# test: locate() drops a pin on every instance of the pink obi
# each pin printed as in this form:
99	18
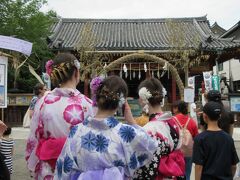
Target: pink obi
172	165
49	149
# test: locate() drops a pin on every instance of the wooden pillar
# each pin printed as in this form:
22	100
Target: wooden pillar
174	90
86	83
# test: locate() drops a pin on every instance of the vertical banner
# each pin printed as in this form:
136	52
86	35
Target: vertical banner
207	80
3	81
191	82
216	82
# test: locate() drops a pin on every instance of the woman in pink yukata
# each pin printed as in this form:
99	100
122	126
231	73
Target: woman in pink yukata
168	162
54	115
102	148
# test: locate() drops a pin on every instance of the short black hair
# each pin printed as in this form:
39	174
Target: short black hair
156	89
214	95
182	107
213	110
8	131
109	92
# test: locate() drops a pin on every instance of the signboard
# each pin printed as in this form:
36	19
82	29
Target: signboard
15	44
207	80
189	95
19	99
235	103
3	81
216	82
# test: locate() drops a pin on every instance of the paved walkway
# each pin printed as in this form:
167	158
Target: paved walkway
19	165
22	133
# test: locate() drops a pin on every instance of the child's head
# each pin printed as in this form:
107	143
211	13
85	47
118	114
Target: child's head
175	107
111	91
39	89
8	131
155	88
63	68
182	107
214	95
212	111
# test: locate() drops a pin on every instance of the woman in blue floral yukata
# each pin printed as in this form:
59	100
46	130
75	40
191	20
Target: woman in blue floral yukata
102	147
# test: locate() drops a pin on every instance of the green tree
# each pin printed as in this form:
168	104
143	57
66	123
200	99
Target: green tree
23	19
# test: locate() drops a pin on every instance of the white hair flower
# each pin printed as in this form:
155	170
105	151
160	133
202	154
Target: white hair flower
76	64
144	94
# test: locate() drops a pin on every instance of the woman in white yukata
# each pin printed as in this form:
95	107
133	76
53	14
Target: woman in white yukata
102	148
54	115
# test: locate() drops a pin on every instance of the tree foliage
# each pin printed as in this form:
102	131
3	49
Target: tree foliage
23	19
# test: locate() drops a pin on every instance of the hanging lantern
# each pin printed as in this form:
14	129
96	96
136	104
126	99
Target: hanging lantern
125	68
134	75
130	72
145	67
139	73
158	73
105	65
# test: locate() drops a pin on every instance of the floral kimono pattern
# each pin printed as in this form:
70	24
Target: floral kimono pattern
104	149
54	115
168	161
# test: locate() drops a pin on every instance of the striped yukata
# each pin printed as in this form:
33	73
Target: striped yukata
6	146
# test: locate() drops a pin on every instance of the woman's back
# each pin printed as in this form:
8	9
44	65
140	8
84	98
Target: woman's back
165	129
100	144
53	118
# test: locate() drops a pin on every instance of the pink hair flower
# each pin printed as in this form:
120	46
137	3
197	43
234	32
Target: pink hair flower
48	66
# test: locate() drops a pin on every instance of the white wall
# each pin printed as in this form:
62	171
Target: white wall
235	69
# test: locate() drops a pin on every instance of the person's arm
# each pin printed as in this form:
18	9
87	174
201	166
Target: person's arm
30	113
128	115
3	128
231	126
234	168
198	172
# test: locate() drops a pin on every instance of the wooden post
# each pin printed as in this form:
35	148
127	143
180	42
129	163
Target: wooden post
174	89
86	92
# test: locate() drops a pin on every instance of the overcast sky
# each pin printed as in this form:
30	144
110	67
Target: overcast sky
225	12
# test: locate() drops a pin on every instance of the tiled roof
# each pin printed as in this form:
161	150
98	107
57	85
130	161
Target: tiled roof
217	30
231	30
138	34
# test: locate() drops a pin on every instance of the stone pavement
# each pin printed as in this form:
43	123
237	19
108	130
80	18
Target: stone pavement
19	163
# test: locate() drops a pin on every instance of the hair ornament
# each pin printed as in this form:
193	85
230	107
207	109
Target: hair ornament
49	66
144	94
94	85
76	64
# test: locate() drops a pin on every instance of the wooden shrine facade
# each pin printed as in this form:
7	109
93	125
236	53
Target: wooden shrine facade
176	41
